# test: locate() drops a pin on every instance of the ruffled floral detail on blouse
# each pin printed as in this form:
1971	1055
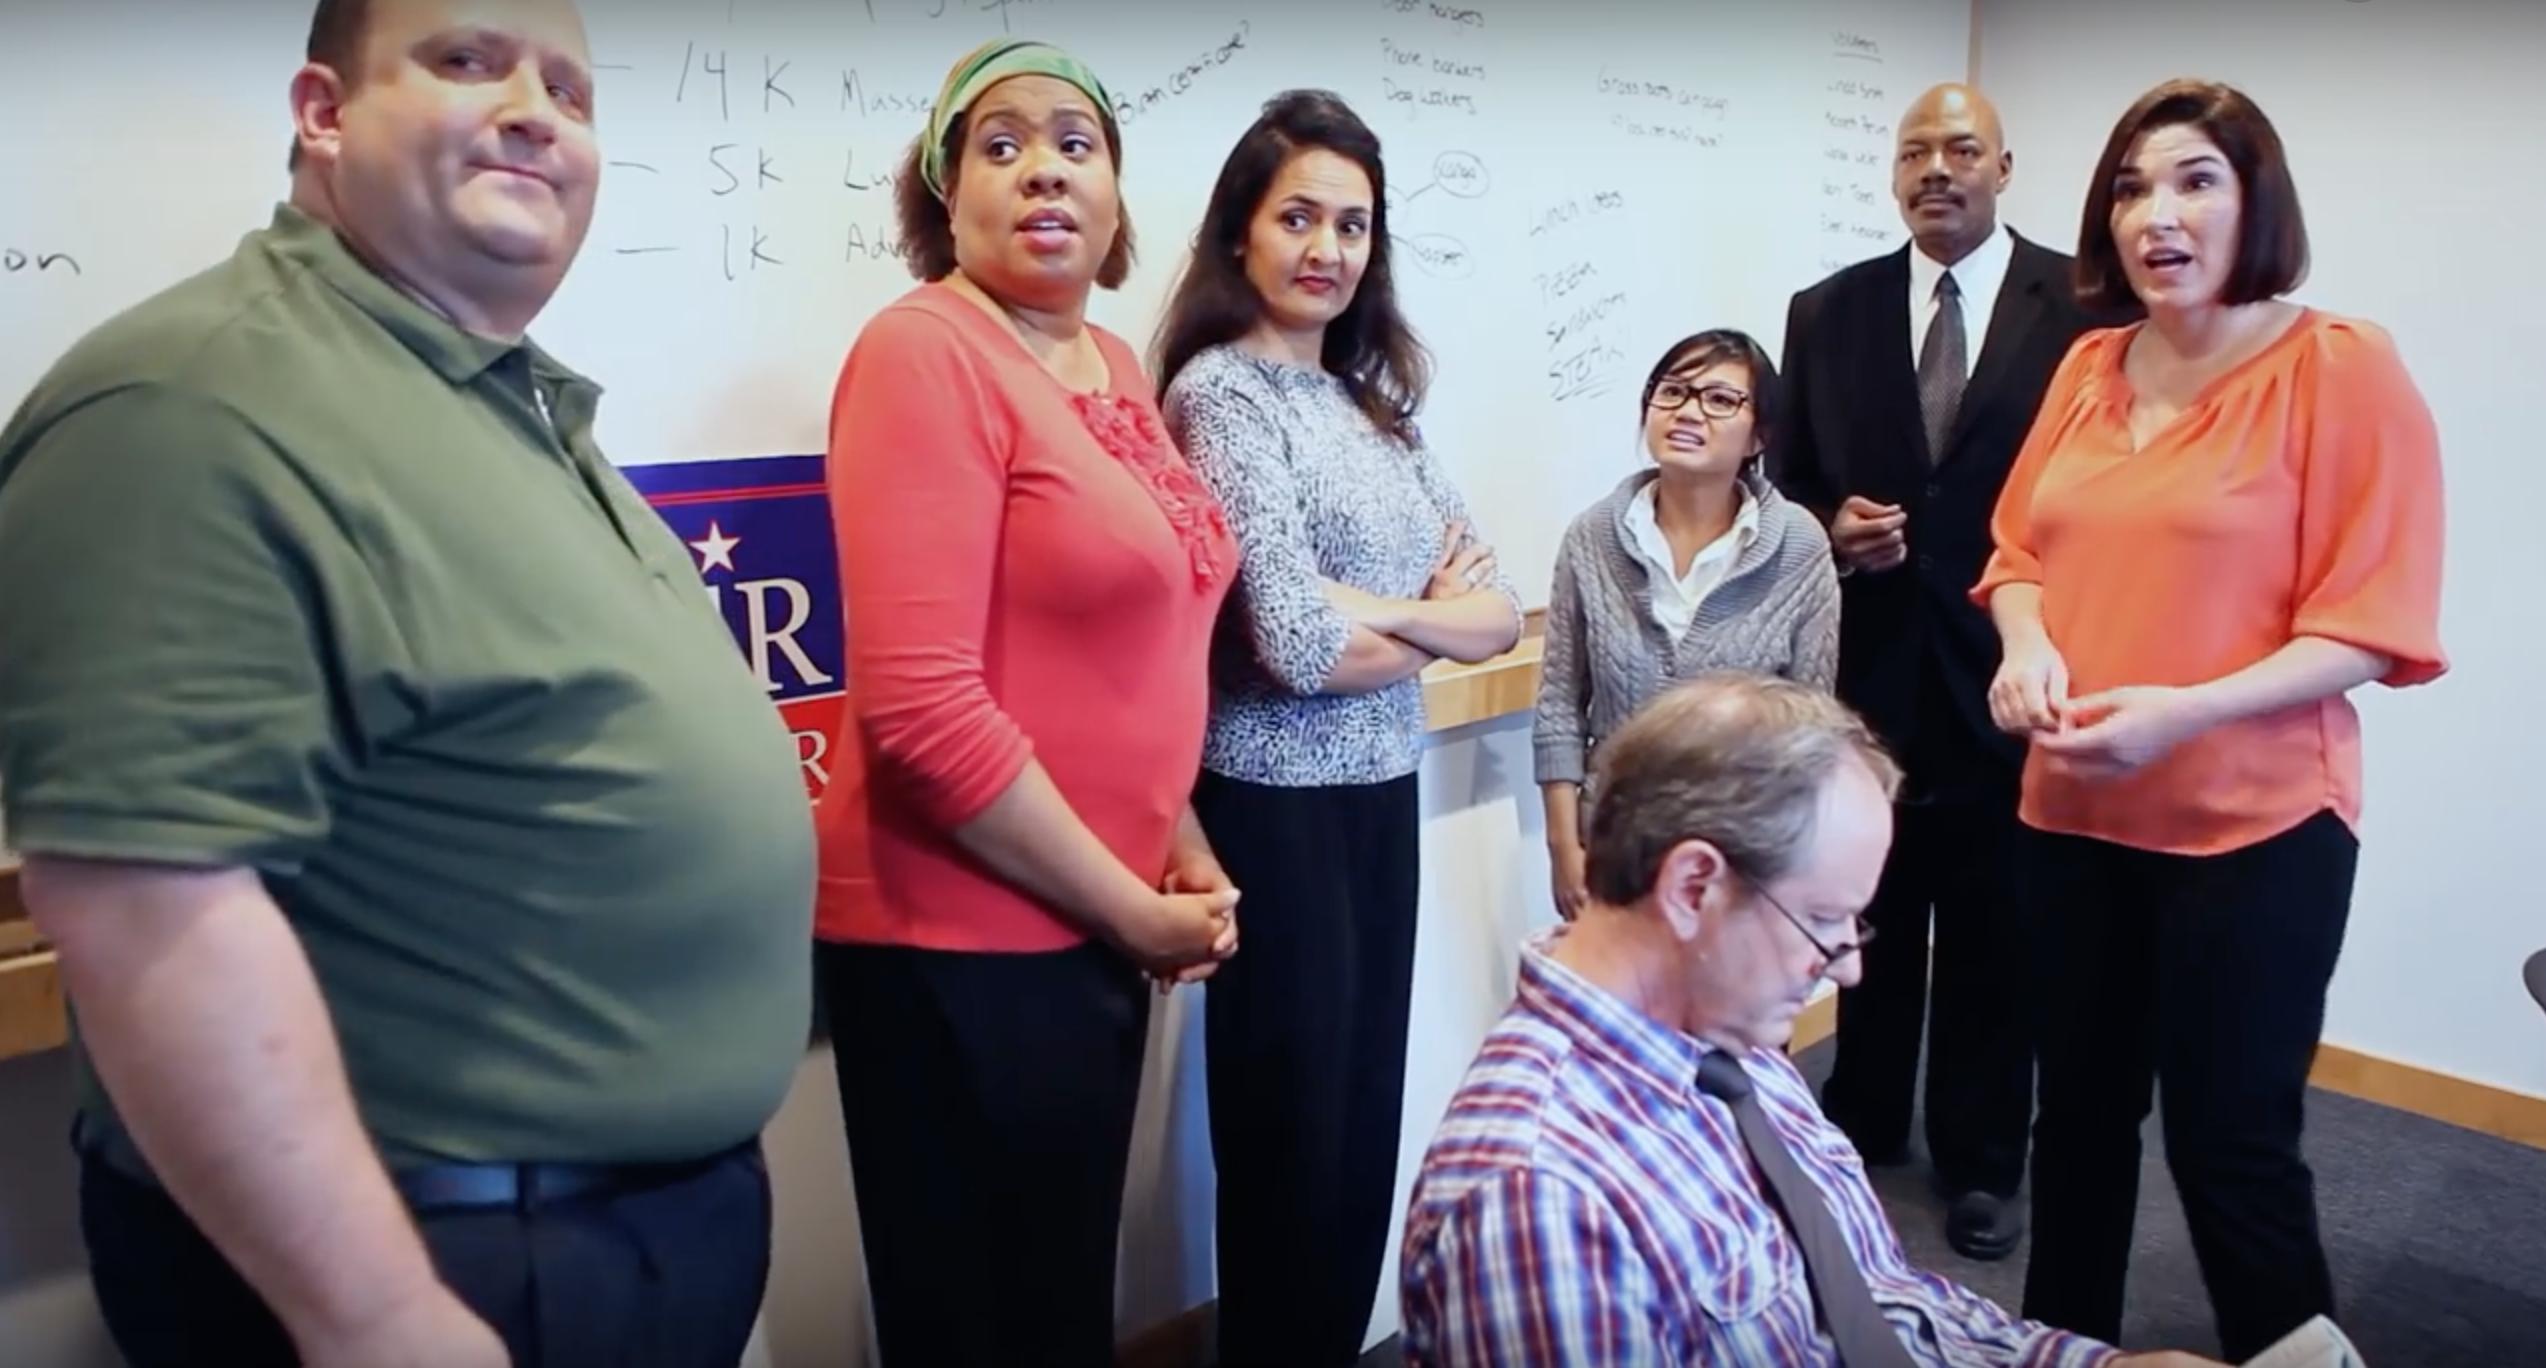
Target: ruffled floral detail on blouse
1132	435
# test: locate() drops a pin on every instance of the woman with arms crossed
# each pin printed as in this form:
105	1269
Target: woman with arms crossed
1292	382
1031	574
2225	519
1694	563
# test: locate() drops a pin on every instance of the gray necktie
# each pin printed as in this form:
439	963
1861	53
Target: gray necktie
1865	1339
1941	363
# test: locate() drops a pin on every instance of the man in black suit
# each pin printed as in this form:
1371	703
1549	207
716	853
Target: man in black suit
1911	380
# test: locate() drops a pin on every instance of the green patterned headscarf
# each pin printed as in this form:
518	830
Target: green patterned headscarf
986	66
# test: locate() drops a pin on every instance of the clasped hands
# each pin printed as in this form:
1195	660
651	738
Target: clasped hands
2102	735
1194	926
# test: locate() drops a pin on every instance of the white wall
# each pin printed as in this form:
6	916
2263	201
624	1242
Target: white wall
2411	132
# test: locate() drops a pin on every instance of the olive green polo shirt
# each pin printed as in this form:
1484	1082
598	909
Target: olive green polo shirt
298	576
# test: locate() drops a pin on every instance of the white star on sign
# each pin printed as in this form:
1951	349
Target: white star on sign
715	550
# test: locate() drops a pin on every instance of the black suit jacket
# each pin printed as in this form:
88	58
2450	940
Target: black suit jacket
1852	426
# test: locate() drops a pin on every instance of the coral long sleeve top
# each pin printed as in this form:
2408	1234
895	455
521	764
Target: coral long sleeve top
2298	495
1029	573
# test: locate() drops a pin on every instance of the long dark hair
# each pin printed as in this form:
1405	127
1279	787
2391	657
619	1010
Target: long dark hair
1369	346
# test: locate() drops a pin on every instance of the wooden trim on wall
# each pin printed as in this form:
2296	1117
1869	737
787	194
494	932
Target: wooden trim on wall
1818	1022
1459	695
31	1016
2441	1096
31	1019
1456	695
2479	1107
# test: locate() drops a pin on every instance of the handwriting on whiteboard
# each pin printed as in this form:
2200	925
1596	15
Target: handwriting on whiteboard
1456	16
1138	100
1427	68
1856	217
781	126
18	261
1579	313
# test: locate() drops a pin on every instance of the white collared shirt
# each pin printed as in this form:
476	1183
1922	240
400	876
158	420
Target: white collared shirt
1676	596
1978	276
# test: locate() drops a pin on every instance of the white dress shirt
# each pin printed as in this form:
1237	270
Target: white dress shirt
1978	276
1676	596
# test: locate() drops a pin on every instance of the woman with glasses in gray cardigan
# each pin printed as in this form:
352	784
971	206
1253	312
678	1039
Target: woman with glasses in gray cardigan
1693	564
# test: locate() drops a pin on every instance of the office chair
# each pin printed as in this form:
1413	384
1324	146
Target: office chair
2535	973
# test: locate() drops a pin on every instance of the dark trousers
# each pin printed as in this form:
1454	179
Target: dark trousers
1957	864
988	1100
669	1276
1306	1039
2208	973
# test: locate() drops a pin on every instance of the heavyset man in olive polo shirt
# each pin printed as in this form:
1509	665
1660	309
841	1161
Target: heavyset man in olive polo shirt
432	881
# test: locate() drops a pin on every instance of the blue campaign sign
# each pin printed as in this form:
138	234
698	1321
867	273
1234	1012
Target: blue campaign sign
759	531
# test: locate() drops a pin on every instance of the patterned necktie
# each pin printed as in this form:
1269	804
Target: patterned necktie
1941	366
1865	1339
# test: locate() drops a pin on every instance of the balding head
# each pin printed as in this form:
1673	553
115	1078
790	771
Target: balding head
1961	106
1736	759
1739	828
1951	163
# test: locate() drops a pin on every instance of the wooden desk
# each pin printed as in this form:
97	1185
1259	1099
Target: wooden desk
1461	695
31	1017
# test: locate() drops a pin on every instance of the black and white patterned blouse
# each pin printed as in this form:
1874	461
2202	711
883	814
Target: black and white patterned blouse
1314	492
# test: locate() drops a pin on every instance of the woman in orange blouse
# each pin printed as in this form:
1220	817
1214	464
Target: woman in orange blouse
2224	520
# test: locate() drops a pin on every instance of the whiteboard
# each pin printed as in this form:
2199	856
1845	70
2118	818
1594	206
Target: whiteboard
1576	183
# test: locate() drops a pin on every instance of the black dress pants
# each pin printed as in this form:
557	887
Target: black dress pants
988	1101
666	1276
1306	1038
2207	973
1957	864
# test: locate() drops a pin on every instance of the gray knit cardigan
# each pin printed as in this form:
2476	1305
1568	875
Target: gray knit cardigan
1776	612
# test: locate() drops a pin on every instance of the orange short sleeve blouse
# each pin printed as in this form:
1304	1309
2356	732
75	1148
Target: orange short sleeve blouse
2298	495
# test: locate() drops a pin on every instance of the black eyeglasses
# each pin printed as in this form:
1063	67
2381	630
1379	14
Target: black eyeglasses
1715	401
1830	954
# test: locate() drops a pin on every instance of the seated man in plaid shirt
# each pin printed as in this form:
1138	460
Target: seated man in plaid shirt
1586	1202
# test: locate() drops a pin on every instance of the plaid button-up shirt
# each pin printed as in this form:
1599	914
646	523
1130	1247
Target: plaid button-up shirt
1585	1205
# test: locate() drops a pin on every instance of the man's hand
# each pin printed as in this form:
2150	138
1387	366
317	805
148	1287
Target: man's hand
434	1331
201	1015
1869	536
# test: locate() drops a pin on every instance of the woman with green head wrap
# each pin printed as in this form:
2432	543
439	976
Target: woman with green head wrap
1008	855
949	230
